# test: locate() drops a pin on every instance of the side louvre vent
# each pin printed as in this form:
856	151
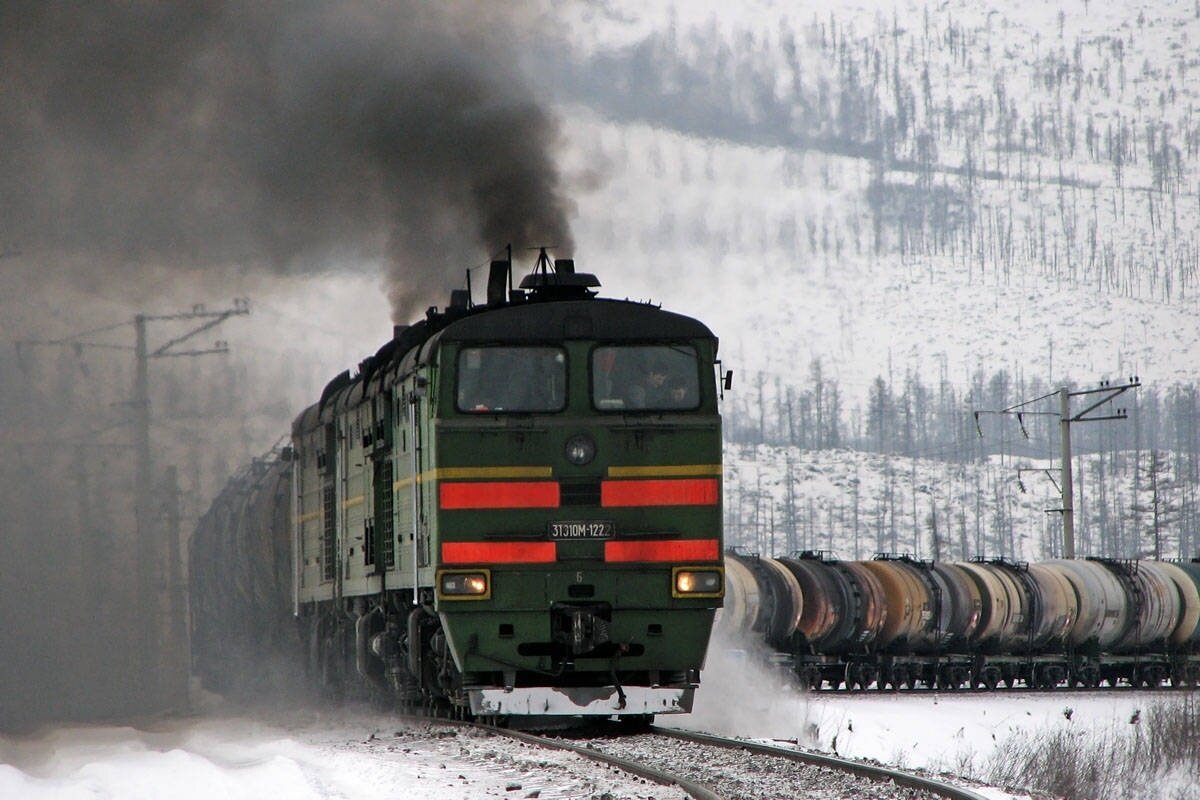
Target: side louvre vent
329	534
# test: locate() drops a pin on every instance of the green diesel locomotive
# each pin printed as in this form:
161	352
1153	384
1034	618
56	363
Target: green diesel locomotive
515	508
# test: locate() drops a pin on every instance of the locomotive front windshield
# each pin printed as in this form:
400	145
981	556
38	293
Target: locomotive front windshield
645	377
511	379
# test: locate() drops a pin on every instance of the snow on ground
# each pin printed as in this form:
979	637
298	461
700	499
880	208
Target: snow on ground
945	733
303	755
359	753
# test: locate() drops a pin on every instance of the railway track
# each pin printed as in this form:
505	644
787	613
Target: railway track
708	767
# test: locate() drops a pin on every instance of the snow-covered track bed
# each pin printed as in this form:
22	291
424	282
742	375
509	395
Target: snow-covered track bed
646	763
707	766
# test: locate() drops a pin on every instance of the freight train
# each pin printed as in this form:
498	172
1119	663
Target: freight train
512	508
899	622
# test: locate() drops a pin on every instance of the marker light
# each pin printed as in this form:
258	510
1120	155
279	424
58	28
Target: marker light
473	585
580	449
697	582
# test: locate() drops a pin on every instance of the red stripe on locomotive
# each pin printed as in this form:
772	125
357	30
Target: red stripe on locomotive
498	494
499	552
692	492
663	550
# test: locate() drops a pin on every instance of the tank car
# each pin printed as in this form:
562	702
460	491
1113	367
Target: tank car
239	582
897	622
514	508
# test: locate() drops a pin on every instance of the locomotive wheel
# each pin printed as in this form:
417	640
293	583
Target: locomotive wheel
635	722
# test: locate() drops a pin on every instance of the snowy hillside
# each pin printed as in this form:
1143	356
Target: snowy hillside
903	195
853	504
952	187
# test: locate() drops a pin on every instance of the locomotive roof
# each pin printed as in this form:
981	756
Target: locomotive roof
530	321
574	319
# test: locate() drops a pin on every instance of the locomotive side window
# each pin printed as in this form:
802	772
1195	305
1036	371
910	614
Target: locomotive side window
511	379
645	377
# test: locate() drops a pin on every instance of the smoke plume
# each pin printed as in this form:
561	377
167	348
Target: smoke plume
278	137
152	151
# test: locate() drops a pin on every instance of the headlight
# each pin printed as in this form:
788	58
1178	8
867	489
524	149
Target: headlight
472	585
696	582
580	449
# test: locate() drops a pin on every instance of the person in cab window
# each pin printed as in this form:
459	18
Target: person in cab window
681	394
652	392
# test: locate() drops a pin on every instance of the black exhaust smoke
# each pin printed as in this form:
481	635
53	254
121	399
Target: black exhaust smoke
281	137
147	139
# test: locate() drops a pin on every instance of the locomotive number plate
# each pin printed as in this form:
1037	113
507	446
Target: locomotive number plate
582	530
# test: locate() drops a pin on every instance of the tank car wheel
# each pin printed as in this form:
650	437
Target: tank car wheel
1050	676
1153	676
1191	676
1089	676
989	678
950	679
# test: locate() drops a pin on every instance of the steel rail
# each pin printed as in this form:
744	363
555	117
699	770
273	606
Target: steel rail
696	790
870	771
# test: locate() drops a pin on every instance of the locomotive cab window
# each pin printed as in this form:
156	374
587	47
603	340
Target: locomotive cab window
495	380
645	378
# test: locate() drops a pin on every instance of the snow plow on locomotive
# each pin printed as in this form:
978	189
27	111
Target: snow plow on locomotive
514	508
898	622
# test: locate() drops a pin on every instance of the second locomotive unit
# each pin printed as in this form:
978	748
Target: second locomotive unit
515	508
